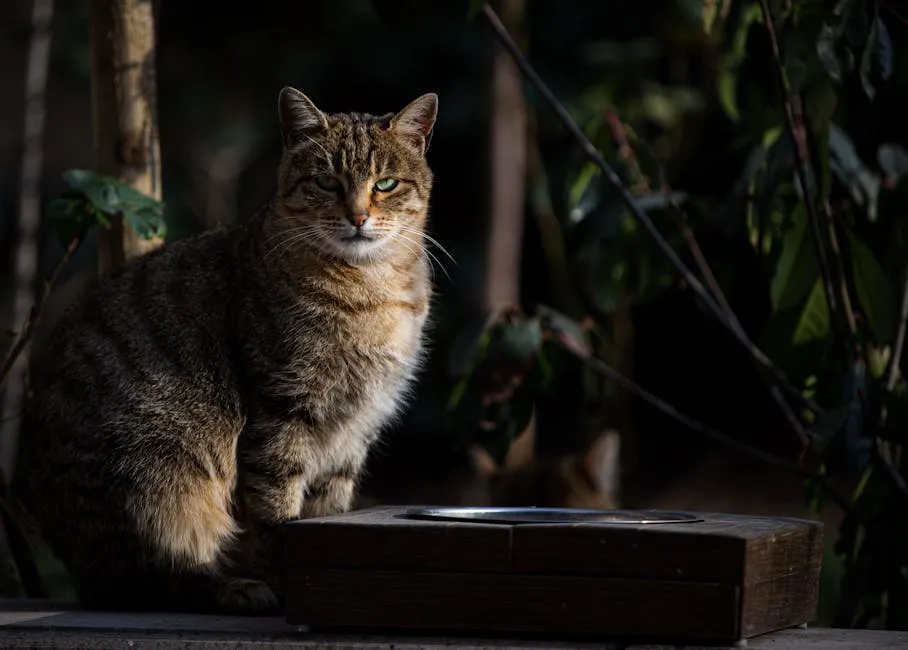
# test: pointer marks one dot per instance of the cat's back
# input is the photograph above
(150, 339)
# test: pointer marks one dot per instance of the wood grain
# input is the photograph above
(455, 602)
(377, 538)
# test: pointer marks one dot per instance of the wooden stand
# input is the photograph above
(723, 579)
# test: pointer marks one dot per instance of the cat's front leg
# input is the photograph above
(332, 492)
(286, 473)
(272, 471)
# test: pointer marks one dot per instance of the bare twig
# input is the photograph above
(895, 362)
(612, 177)
(34, 316)
(26, 268)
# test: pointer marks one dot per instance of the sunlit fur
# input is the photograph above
(227, 383)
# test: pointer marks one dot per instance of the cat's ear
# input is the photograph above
(602, 462)
(299, 117)
(415, 122)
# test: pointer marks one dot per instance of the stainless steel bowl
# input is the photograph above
(552, 516)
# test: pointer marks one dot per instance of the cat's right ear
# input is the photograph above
(298, 116)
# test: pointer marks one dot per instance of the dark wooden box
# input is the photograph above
(720, 580)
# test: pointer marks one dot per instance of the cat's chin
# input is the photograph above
(360, 249)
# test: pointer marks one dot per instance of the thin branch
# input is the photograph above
(898, 348)
(612, 177)
(840, 308)
(34, 315)
(895, 478)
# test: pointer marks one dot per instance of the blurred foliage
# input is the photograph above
(840, 59)
(93, 199)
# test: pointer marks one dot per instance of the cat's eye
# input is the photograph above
(386, 184)
(328, 183)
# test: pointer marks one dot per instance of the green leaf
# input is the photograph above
(568, 332)
(797, 268)
(874, 290)
(731, 62)
(522, 340)
(826, 50)
(829, 41)
(878, 48)
(867, 60)
(813, 324)
(821, 101)
(469, 345)
(862, 184)
(103, 199)
(893, 160)
(584, 191)
(148, 222)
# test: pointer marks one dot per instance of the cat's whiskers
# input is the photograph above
(422, 247)
(431, 240)
(414, 249)
(289, 232)
(286, 244)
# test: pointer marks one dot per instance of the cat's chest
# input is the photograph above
(357, 360)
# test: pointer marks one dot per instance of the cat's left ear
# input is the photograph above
(299, 117)
(415, 122)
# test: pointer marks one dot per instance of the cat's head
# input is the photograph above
(352, 185)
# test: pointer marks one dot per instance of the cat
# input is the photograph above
(471, 476)
(586, 479)
(226, 383)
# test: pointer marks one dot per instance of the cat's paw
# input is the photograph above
(246, 597)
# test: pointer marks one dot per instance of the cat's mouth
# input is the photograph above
(357, 237)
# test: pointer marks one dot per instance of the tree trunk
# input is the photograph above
(508, 170)
(26, 269)
(124, 115)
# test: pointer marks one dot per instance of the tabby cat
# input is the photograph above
(226, 383)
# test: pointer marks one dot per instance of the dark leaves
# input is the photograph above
(93, 199)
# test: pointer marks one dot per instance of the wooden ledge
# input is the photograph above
(70, 629)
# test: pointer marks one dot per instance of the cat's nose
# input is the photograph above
(358, 219)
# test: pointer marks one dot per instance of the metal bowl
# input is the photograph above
(534, 515)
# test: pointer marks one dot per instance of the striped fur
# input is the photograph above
(229, 382)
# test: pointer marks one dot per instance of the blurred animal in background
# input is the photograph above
(585, 479)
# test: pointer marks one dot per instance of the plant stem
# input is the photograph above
(839, 308)
(898, 348)
(34, 315)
